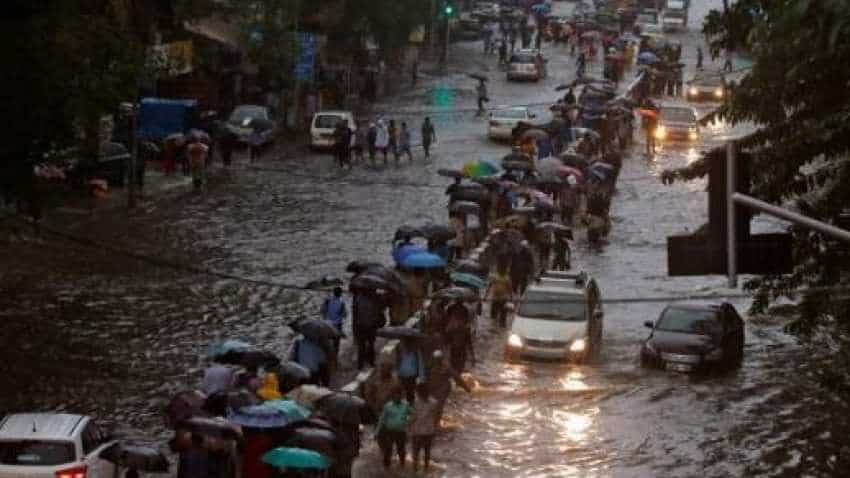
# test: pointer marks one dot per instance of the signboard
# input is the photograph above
(305, 65)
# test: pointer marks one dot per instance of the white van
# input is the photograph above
(323, 125)
(558, 318)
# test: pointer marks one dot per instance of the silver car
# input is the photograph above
(526, 65)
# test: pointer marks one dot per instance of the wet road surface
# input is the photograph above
(99, 332)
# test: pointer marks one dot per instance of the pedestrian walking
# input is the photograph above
(562, 253)
(342, 144)
(458, 336)
(423, 426)
(310, 355)
(503, 53)
(651, 126)
(197, 152)
(699, 58)
(522, 268)
(367, 317)
(499, 292)
(581, 64)
(334, 311)
(414, 71)
(727, 65)
(481, 89)
(409, 367)
(393, 132)
(382, 139)
(404, 142)
(428, 136)
(392, 428)
(372, 140)
(441, 374)
(255, 144)
(361, 142)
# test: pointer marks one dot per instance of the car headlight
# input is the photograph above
(693, 134)
(578, 345)
(718, 92)
(660, 132)
(693, 91)
(515, 340)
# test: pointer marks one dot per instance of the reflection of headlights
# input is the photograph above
(693, 135)
(693, 91)
(660, 132)
(577, 345)
(515, 340)
(718, 92)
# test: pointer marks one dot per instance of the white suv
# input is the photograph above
(53, 445)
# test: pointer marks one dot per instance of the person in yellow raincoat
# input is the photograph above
(270, 389)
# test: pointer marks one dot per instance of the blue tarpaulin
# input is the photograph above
(159, 117)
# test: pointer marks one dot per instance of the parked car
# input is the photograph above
(648, 21)
(53, 445)
(675, 16)
(559, 317)
(526, 65)
(244, 119)
(323, 124)
(706, 87)
(504, 119)
(677, 123)
(688, 338)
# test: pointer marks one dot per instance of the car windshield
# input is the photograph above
(524, 58)
(645, 18)
(689, 321)
(327, 121)
(36, 453)
(510, 114)
(678, 115)
(241, 113)
(708, 80)
(552, 306)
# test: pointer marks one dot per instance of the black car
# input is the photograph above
(689, 338)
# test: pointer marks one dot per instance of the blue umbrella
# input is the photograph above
(598, 174)
(541, 7)
(602, 166)
(231, 345)
(299, 458)
(467, 279)
(399, 253)
(647, 58)
(261, 416)
(423, 260)
(289, 408)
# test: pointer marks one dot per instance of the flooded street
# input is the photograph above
(116, 328)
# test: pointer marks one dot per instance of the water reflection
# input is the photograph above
(574, 382)
(574, 426)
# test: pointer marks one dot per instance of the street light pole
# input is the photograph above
(731, 239)
(446, 46)
(131, 174)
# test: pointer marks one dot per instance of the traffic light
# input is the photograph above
(448, 9)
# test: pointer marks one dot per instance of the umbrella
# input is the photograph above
(587, 80)
(480, 168)
(308, 395)
(185, 405)
(508, 184)
(423, 260)
(541, 7)
(289, 408)
(478, 76)
(141, 458)
(391, 276)
(218, 403)
(291, 374)
(599, 174)
(211, 427)
(297, 458)
(647, 58)
(564, 87)
(260, 124)
(468, 266)
(468, 280)
(456, 293)
(507, 236)
(518, 165)
(316, 329)
(477, 196)
(549, 167)
(541, 199)
(438, 232)
(574, 159)
(369, 281)
(356, 267)
(231, 345)
(406, 231)
(198, 135)
(262, 416)
(343, 407)
(556, 228)
(591, 35)
(571, 171)
(486, 180)
(535, 134)
(249, 358)
(515, 156)
(399, 253)
(450, 173)
(316, 439)
(465, 207)
(602, 165)
(399, 332)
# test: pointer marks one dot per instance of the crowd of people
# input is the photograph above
(380, 139)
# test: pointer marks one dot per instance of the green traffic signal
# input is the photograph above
(449, 9)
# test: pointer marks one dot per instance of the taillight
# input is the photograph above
(76, 472)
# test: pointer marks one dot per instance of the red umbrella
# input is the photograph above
(569, 170)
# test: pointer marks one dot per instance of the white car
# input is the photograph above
(323, 125)
(53, 445)
(526, 64)
(503, 120)
(648, 22)
(558, 318)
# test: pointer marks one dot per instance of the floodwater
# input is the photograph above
(114, 330)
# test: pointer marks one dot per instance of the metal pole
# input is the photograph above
(796, 218)
(731, 239)
(131, 174)
(446, 46)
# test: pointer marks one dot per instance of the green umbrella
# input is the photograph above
(289, 408)
(286, 457)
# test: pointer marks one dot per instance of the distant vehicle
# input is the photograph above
(526, 65)
(245, 118)
(503, 120)
(648, 21)
(677, 123)
(559, 317)
(323, 125)
(688, 338)
(706, 87)
(486, 11)
(53, 445)
(675, 16)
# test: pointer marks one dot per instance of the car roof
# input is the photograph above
(335, 113)
(695, 307)
(557, 286)
(41, 426)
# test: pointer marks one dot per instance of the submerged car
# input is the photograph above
(706, 87)
(690, 338)
(559, 318)
(503, 121)
(677, 123)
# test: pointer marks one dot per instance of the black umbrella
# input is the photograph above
(141, 458)
(406, 231)
(450, 173)
(291, 375)
(518, 165)
(515, 156)
(260, 124)
(469, 266)
(316, 439)
(343, 407)
(384, 272)
(185, 405)
(218, 403)
(465, 207)
(438, 232)
(316, 329)
(474, 195)
(211, 427)
(356, 267)
(486, 180)
(478, 76)
(564, 87)
(367, 281)
(456, 293)
(249, 358)
(575, 160)
(399, 332)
